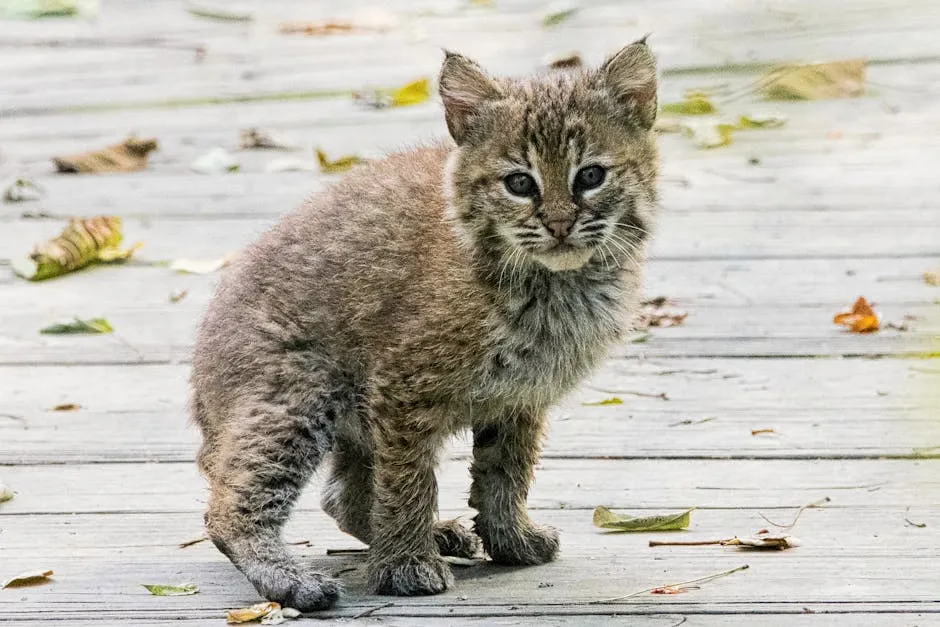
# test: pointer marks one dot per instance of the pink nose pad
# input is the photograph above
(560, 228)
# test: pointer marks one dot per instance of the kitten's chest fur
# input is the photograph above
(548, 333)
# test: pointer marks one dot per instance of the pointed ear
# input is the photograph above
(464, 88)
(630, 77)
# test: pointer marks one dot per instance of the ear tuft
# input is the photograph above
(465, 88)
(630, 77)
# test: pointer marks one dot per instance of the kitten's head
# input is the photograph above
(558, 168)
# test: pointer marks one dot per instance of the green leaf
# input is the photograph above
(328, 166)
(181, 590)
(554, 18)
(691, 104)
(607, 401)
(90, 326)
(757, 120)
(606, 519)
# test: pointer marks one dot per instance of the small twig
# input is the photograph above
(799, 513)
(684, 542)
(765, 431)
(372, 610)
(661, 395)
(346, 551)
(675, 585)
(183, 545)
(689, 421)
(919, 525)
(300, 543)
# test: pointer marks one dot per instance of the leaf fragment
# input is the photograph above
(760, 120)
(861, 319)
(83, 242)
(38, 9)
(257, 139)
(6, 492)
(316, 29)
(692, 103)
(815, 81)
(178, 295)
(411, 93)
(179, 590)
(932, 277)
(764, 431)
(333, 166)
(201, 266)
(606, 519)
(614, 400)
(654, 313)
(780, 542)
(127, 156)
(67, 407)
(90, 326)
(708, 133)
(21, 190)
(216, 161)
(29, 578)
(558, 14)
(218, 13)
(253, 613)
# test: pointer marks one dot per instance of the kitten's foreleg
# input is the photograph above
(257, 474)
(404, 558)
(505, 452)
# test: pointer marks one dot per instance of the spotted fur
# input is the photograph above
(413, 299)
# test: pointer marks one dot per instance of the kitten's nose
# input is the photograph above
(560, 228)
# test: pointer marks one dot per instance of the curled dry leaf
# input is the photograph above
(249, 614)
(333, 166)
(257, 139)
(316, 29)
(614, 400)
(673, 589)
(606, 519)
(83, 242)
(67, 407)
(90, 326)
(216, 161)
(837, 79)
(763, 542)
(201, 266)
(29, 578)
(280, 616)
(6, 493)
(128, 156)
(861, 319)
(179, 590)
(21, 190)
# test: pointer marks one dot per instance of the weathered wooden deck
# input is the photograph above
(761, 242)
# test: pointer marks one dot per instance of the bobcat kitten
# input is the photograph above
(450, 287)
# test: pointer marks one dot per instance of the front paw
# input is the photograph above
(526, 545)
(456, 540)
(411, 576)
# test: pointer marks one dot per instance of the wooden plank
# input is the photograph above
(560, 484)
(853, 409)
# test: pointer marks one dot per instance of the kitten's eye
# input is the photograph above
(589, 177)
(520, 184)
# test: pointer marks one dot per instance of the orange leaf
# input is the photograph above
(862, 318)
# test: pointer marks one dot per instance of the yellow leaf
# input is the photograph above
(181, 590)
(128, 156)
(862, 318)
(84, 241)
(27, 579)
(248, 614)
(607, 401)
(691, 104)
(6, 493)
(756, 120)
(342, 164)
(816, 81)
(412, 93)
(606, 519)
(932, 278)
(91, 326)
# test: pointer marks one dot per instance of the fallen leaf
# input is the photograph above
(280, 616)
(38, 9)
(763, 431)
(315, 29)
(256, 139)
(653, 314)
(708, 133)
(837, 79)
(763, 542)
(128, 156)
(201, 266)
(83, 242)
(932, 277)
(255, 612)
(412, 93)
(218, 13)
(90, 326)
(760, 120)
(342, 164)
(558, 14)
(181, 590)
(176, 297)
(606, 519)
(692, 103)
(564, 61)
(216, 161)
(607, 401)
(6, 493)
(21, 190)
(30, 578)
(862, 318)
(673, 589)
(67, 407)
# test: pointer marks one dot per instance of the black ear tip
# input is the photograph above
(642, 40)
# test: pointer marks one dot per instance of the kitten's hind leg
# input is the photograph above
(263, 462)
(347, 498)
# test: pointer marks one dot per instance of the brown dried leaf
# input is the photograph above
(653, 314)
(249, 614)
(932, 277)
(128, 156)
(30, 578)
(67, 407)
(862, 318)
(763, 542)
(837, 79)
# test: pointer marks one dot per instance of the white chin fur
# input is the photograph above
(568, 260)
